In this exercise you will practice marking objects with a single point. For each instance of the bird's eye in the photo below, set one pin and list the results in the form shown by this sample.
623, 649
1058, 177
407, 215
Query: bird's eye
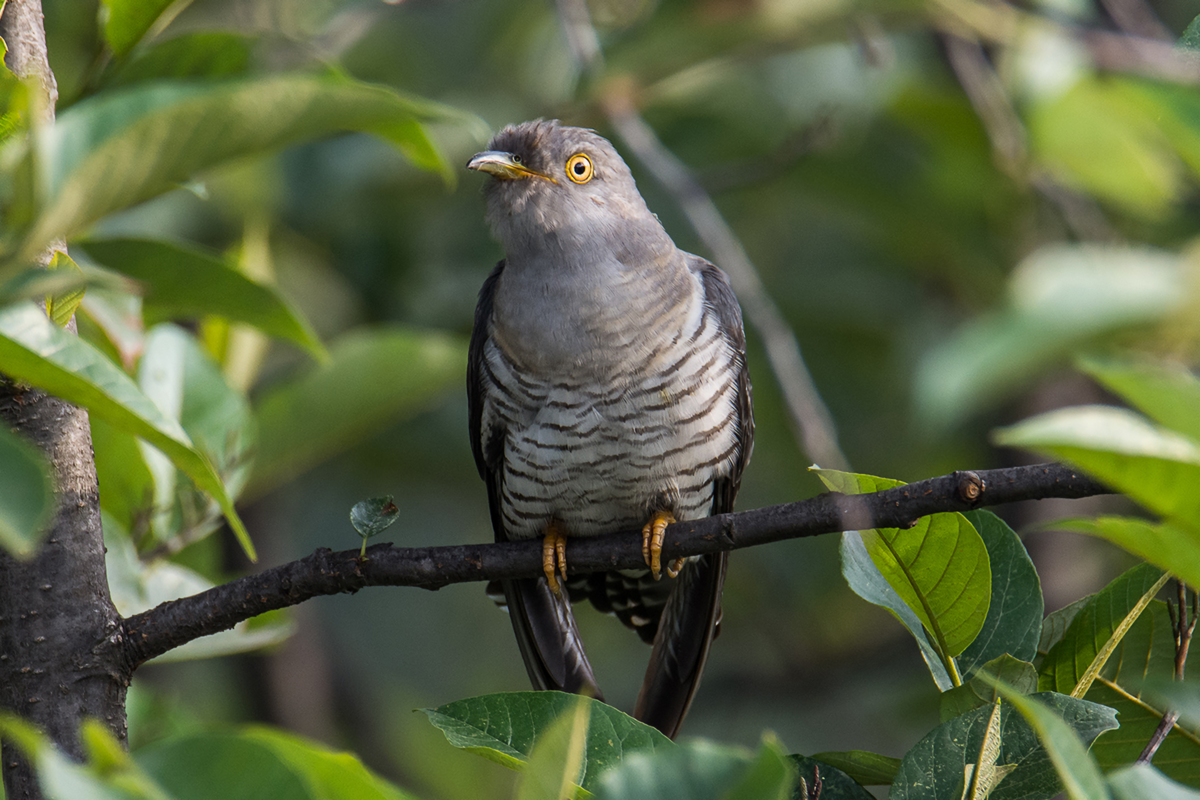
516, 159
579, 168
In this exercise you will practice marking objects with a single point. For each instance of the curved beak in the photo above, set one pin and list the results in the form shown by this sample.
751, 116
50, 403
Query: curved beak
502, 165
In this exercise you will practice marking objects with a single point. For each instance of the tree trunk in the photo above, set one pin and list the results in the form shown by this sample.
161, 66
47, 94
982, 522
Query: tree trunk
59, 649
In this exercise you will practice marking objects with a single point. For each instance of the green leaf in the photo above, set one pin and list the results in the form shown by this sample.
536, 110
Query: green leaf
1145, 652
505, 727
1143, 781
123, 147
27, 501
835, 784
1093, 138
1171, 547
695, 770
60, 307
771, 775
328, 774
374, 377
1056, 624
1060, 297
126, 22
180, 281
34, 350
1191, 35
865, 579
936, 766
981, 689
1153, 465
868, 769
1167, 393
207, 54
374, 516
556, 763
1014, 618
128, 495
1065, 740
939, 567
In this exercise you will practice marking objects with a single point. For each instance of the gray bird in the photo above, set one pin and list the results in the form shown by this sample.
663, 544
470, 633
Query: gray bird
608, 390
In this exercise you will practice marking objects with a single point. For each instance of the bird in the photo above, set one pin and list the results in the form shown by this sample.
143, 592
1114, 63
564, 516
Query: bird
607, 390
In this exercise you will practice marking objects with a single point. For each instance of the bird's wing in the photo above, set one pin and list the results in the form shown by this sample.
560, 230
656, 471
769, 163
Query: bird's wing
692, 615
546, 633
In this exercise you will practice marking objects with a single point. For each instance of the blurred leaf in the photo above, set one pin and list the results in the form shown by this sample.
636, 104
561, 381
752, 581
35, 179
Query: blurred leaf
939, 567
374, 516
60, 307
374, 377
1191, 35
122, 147
555, 765
182, 281
697, 770
868, 769
230, 766
936, 767
1014, 618
1065, 731
1167, 546
207, 54
1060, 297
27, 500
865, 579
771, 776
128, 494
36, 351
127, 21
505, 728
1153, 465
330, 775
1167, 393
1142, 781
835, 784
1175, 111
1094, 139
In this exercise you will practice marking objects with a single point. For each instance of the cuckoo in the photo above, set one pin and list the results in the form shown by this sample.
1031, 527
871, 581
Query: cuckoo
608, 391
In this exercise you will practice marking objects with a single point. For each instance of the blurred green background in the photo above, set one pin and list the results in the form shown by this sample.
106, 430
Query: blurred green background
911, 252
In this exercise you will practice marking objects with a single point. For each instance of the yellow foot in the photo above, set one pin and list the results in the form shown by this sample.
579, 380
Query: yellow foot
554, 556
652, 542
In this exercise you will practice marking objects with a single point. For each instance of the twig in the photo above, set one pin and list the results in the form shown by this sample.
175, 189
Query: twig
174, 623
1183, 628
810, 419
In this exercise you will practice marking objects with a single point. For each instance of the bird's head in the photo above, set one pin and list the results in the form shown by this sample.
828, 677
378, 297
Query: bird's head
555, 185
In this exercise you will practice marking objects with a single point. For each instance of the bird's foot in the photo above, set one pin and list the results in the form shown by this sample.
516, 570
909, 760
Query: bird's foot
652, 542
554, 557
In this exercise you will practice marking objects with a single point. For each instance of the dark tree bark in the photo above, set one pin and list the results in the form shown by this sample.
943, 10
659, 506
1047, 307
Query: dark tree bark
58, 626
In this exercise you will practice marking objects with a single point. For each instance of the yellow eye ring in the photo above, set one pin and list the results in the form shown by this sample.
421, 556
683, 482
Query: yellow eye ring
579, 168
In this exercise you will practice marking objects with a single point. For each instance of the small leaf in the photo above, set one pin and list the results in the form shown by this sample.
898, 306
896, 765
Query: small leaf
27, 500
36, 351
61, 307
868, 769
373, 517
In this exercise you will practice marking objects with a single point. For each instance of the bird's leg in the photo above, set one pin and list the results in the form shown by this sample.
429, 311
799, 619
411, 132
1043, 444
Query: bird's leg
554, 556
652, 542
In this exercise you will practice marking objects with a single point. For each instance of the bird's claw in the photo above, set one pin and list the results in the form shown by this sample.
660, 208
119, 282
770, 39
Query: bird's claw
652, 542
554, 557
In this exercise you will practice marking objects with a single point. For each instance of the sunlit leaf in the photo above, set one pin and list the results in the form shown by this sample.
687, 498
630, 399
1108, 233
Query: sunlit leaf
60, 306
1167, 546
1167, 393
556, 763
181, 281
34, 350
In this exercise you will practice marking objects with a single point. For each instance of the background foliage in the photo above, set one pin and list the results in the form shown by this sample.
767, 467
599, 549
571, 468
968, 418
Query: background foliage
284, 181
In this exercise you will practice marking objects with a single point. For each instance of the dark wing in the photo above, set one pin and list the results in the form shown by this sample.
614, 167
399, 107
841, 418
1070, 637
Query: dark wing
544, 625
692, 617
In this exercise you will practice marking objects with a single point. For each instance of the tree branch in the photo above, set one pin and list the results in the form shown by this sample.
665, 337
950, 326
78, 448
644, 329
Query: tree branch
325, 572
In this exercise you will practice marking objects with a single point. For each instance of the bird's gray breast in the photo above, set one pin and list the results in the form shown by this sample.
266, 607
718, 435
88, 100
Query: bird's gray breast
612, 403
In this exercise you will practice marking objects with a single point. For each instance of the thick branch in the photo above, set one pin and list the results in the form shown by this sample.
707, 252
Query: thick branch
172, 624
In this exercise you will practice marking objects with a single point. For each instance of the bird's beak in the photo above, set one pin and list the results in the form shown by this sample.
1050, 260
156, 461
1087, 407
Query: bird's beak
502, 165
